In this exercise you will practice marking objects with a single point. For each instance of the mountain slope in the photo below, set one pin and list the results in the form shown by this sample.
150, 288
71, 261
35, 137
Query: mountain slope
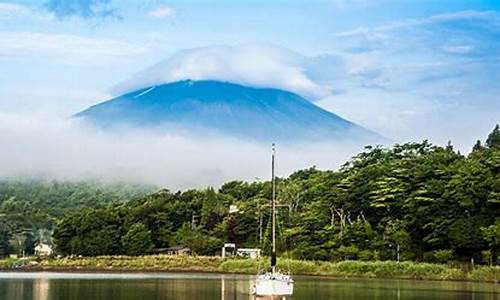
222, 107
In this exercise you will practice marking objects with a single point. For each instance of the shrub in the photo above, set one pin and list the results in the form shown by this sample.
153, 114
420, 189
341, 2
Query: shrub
366, 255
443, 256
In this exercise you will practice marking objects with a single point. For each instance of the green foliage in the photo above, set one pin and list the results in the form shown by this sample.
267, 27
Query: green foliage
477, 146
196, 239
137, 240
402, 203
493, 139
492, 235
28, 207
4, 240
379, 269
90, 233
348, 252
443, 256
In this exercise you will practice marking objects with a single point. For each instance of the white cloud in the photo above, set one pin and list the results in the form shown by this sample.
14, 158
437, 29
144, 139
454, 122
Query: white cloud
10, 10
492, 17
459, 49
162, 12
354, 4
64, 46
454, 39
248, 64
15, 10
66, 150
410, 117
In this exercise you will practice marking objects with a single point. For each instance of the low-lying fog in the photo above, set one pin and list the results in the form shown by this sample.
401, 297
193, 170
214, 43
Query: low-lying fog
65, 149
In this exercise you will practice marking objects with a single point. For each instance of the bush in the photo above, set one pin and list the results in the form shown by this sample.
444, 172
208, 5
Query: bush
487, 257
350, 252
366, 255
443, 256
483, 273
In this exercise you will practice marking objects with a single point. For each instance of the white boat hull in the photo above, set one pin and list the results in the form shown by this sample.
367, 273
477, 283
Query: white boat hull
273, 285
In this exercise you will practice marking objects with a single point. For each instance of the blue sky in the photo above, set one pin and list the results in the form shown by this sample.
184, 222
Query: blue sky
409, 69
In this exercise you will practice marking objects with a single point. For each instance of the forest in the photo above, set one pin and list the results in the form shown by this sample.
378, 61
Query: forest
30, 208
409, 202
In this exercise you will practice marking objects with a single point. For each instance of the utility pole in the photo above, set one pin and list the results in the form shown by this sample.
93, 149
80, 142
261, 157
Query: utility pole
260, 228
273, 256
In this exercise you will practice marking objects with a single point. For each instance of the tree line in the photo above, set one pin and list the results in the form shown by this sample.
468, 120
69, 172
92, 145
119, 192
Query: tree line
413, 201
29, 208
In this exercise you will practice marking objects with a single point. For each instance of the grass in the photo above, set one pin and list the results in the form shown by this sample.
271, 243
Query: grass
483, 273
369, 269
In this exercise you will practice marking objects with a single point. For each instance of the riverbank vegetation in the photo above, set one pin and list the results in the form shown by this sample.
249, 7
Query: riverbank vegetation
181, 263
412, 202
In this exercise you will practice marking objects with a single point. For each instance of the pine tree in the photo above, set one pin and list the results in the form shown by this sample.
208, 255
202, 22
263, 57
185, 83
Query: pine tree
493, 140
449, 146
478, 146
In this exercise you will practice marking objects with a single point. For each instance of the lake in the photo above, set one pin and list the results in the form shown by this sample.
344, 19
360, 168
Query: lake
192, 286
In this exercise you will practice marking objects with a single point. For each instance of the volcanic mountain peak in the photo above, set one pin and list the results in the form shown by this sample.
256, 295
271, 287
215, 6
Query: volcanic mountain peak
225, 108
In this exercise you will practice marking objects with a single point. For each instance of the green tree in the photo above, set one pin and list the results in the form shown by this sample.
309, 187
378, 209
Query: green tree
397, 237
4, 240
493, 140
411, 200
196, 239
477, 146
492, 236
137, 240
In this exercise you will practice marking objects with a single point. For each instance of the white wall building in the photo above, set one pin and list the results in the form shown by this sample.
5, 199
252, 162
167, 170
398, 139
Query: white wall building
43, 250
252, 253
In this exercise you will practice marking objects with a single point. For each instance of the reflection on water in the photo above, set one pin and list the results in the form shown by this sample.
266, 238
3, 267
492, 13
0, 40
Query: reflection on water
45, 286
41, 289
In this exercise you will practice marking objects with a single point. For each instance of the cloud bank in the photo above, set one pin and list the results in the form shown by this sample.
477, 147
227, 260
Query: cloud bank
162, 12
34, 146
249, 64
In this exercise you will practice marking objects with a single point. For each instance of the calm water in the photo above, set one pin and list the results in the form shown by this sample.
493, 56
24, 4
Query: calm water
46, 286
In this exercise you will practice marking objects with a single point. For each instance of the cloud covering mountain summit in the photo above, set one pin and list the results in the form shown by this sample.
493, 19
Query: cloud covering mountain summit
256, 65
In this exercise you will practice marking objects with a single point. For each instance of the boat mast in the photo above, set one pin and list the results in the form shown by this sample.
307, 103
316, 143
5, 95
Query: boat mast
273, 204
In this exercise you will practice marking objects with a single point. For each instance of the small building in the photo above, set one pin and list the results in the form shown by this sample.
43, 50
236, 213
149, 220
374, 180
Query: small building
228, 246
43, 249
177, 250
252, 253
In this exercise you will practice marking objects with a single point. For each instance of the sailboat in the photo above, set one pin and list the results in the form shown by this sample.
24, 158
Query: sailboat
274, 282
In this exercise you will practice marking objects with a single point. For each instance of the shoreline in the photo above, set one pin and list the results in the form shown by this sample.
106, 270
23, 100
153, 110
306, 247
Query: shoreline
217, 265
200, 272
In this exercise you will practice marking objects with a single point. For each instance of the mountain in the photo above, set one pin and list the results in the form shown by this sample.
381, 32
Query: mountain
262, 114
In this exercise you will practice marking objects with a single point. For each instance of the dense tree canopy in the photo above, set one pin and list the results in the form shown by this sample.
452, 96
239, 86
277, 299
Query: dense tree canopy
414, 201
137, 240
30, 208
